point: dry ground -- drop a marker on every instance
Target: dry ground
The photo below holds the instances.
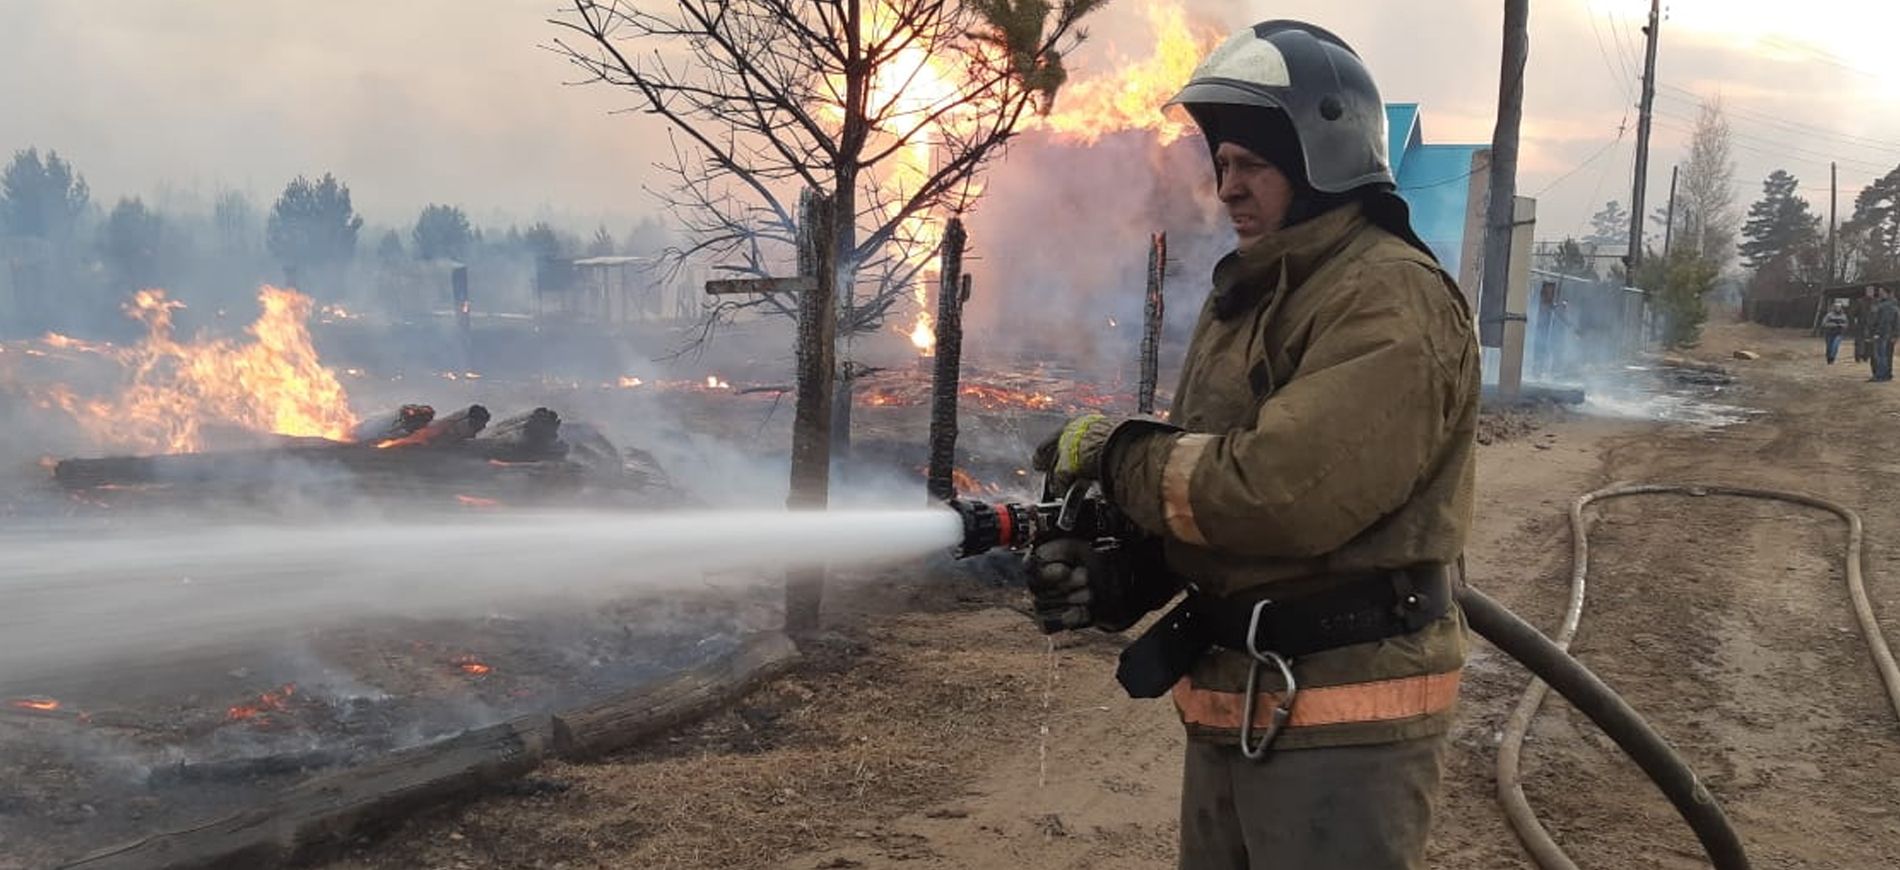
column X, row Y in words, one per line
column 937, row 730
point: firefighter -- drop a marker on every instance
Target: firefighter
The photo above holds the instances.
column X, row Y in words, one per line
column 1310, row 490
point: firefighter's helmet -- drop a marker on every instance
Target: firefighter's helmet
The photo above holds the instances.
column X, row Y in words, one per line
column 1316, row 79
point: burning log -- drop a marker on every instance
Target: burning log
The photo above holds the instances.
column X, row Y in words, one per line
column 455, row 428
column 399, row 423
column 534, row 435
column 951, row 294
column 1151, row 316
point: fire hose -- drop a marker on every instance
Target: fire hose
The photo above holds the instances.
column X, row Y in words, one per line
column 1018, row 526
column 1553, row 663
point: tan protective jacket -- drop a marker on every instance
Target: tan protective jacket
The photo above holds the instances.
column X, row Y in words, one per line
column 1328, row 426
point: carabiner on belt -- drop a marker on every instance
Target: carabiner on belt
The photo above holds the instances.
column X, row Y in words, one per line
column 1283, row 711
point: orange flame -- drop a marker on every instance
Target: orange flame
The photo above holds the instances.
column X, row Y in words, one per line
column 65, row 342
column 475, row 501
column 469, row 664
column 967, row 484
column 1132, row 96
column 714, row 382
column 995, row 398
column 271, row 383
column 43, row 705
column 923, row 336
column 628, row 382
column 274, row 701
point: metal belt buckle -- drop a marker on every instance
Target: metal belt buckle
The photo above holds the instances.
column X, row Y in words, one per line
column 1283, row 711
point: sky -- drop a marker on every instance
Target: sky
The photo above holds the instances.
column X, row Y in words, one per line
column 458, row 100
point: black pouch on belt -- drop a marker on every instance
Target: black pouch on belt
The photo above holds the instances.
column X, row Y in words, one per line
column 1158, row 659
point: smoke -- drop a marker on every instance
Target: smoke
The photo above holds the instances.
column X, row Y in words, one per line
column 1060, row 248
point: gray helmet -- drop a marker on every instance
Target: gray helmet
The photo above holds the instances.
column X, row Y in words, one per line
column 1321, row 85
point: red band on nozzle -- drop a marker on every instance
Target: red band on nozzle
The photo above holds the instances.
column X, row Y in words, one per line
column 1005, row 535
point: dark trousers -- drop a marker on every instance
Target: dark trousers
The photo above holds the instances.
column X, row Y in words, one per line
column 1341, row 808
column 1883, row 358
column 1833, row 345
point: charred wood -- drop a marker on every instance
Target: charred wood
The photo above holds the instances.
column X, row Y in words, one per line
column 952, row 292
column 457, row 427
column 393, row 424
column 320, row 816
column 1152, row 313
column 534, row 435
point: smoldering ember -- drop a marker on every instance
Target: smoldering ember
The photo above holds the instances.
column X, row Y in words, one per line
column 782, row 434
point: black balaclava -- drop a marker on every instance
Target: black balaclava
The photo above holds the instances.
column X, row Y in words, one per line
column 1268, row 133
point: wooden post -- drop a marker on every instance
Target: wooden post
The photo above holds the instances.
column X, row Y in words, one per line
column 1151, row 318
column 1516, row 299
column 811, row 419
column 1644, row 110
column 1503, row 189
column 953, row 290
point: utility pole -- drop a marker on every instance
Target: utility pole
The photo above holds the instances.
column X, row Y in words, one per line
column 1669, row 217
column 1652, row 31
column 1833, row 202
column 1501, row 213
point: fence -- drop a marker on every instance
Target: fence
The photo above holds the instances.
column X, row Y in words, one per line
column 1575, row 323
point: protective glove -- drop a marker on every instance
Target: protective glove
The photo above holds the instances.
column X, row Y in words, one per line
column 1075, row 583
column 1074, row 452
column 1059, row 584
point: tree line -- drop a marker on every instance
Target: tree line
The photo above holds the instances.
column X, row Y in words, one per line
column 70, row 261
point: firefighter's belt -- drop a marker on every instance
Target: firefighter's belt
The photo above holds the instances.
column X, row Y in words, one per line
column 1353, row 610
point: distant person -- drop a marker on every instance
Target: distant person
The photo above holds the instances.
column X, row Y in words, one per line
column 1833, row 325
column 1886, row 326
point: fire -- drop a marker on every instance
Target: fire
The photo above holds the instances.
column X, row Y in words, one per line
column 967, row 484
column 628, row 383
column 1132, row 96
column 66, row 342
column 713, row 382
column 42, row 705
column 271, row 382
column 274, row 701
column 471, row 665
column 334, row 313
column 924, row 335
column 1002, row 397
column 476, row 501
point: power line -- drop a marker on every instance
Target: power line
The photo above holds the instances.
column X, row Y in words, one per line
column 1820, row 54
column 1621, row 79
column 1686, row 95
column 1624, row 53
column 1621, row 129
column 1761, row 143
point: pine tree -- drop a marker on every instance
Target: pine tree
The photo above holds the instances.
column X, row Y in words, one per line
column 1778, row 224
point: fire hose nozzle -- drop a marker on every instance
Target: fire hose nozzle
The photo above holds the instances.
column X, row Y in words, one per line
column 1081, row 513
column 986, row 526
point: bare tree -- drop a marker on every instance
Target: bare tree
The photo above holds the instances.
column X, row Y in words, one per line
column 1706, row 217
column 890, row 108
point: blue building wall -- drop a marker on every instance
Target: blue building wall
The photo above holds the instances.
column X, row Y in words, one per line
column 1434, row 180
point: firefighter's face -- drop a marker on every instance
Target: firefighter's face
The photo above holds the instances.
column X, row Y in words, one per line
column 1256, row 193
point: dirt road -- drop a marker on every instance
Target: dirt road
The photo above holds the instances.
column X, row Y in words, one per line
column 938, row 731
